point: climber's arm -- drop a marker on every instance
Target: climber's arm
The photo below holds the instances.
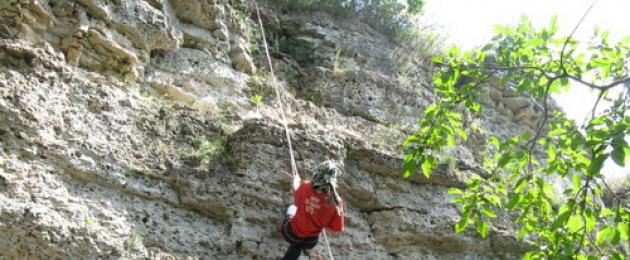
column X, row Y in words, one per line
column 336, row 225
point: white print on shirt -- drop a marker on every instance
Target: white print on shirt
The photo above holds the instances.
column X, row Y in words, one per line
column 312, row 203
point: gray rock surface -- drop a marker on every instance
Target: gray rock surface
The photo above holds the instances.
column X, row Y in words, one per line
column 101, row 101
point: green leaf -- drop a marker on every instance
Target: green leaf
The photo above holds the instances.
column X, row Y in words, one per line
column 438, row 59
column 409, row 166
column 474, row 184
column 453, row 51
column 427, row 167
column 514, row 200
column 590, row 221
column 474, row 106
column 597, row 121
column 431, row 109
column 618, row 256
column 533, row 42
column 574, row 224
column 454, row 121
column 411, row 139
column 461, row 133
column 450, row 140
column 495, row 141
column 461, row 225
column 521, row 233
column 553, row 24
column 556, row 86
column 624, row 231
column 520, row 184
column 604, row 212
column 494, row 199
column 557, row 131
column 618, row 155
column 482, row 228
column 532, row 255
column 545, row 35
column 596, row 165
column 488, row 212
column 551, row 153
column 564, row 82
column 561, row 219
column 580, row 257
column 504, row 160
column 415, row 6
column 500, row 29
column 454, row 191
column 576, row 180
column 616, row 238
column 604, row 235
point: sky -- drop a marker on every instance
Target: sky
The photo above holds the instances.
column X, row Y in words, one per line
column 470, row 23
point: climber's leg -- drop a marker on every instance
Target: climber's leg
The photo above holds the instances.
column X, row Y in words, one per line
column 308, row 245
column 295, row 243
column 293, row 253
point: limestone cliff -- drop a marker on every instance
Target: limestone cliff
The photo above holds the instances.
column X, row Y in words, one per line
column 104, row 104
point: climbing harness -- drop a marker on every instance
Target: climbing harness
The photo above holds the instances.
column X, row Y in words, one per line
column 282, row 113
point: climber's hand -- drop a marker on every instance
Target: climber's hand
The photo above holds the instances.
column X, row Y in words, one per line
column 331, row 232
column 296, row 182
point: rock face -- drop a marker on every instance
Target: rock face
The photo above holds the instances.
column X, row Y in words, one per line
column 104, row 103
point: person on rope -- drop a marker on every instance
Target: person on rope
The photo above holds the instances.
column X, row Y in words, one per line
column 317, row 206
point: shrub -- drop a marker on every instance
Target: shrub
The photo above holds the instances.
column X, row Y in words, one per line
column 389, row 16
column 206, row 149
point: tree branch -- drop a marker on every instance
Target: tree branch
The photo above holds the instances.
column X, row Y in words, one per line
column 566, row 42
column 599, row 97
column 494, row 69
column 600, row 87
column 590, row 238
column 533, row 141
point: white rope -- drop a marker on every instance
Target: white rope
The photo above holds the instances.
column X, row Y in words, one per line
column 282, row 113
column 280, row 105
column 328, row 245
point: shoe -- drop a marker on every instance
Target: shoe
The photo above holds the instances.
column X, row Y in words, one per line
column 312, row 254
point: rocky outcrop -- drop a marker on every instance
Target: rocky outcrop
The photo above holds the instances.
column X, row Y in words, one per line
column 101, row 103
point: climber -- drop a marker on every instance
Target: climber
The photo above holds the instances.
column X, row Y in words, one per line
column 317, row 206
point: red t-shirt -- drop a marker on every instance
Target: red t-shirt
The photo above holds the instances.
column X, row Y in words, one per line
column 313, row 213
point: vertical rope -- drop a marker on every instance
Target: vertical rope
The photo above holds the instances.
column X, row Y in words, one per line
column 279, row 103
column 328, row 245
column 282, row 112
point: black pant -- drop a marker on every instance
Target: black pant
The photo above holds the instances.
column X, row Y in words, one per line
column 296, row 244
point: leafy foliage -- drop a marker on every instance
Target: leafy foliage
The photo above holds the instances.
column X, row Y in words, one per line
column 573, row 223
column 390, row 16
column 256, row 99
column 206, row 149
column 414, row 6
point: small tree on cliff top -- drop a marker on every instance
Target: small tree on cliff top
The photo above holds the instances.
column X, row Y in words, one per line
column 575, row 224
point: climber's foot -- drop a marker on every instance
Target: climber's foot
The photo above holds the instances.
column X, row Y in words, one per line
column 312, row 255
